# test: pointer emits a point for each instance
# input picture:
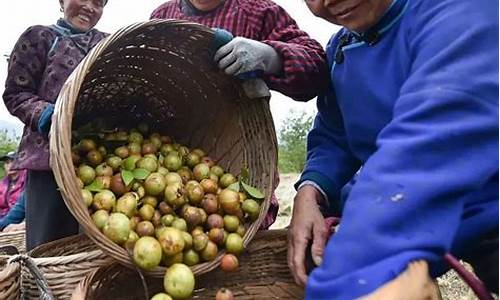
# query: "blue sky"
(118, 13)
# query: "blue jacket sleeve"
(16, 213)
(330, 163)
(445, 120)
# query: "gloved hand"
(45, 120)
(242, 55)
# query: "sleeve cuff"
(326, 187)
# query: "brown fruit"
(208, 161)
(156, 220)
(134, 221)
(164, 208)
(94, 157)
(117, 186)
(210, 204)
(216, 235)
(165, 139)
(192, 216)
(200, 241)
(148, 148)
(215, 221)
(229, 263)
(87, 145)
(185, 174)
(209, 186)
(145, 228)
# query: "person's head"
(355, 15)
(206, 5)
(82, 14)
(8, 159)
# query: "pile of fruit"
(166, 204)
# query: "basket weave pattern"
(263, 274)
(16, 239)
(10, 279)
(161, 72)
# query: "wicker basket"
(10, 279)
(62, 264)
(161, 72)
(263, 274)
(16, 239)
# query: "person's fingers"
(299, 258)
(320, 235)
(224, 51)
(234, 68)
(227, 61)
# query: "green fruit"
(87, 197)
(147, 163)
(87, 145)
(104, 170)
(162, 170)
(252, 208)
(209, 252)
(173, 162)
(135, 137)
(229, 201)
(192, 159)
(117, 228)
(147, 253)
(180, 224)
(169, 260)
(100, 218)
(201, 171)
(166, 149)
(173, 178)
(188, 240)
(179, 281)
(226, 180)
(146, 212)
(217, 170)
(167, 220)
(150, 200)
(155, 184)
(234, 243)
(171, 240)
(161, 296)
(104, 199)
(127, 204)
(86, 174)
(130, 162)
(191, 257)
(231, 223)
(199, 152)
(195, 194)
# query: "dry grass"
(451, 285)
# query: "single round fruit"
(173, 178)
(148, 148)
(192, 216)
(179, 281)
(216, 235)
(100, 218)
(103, 181)
(241, 230)
(171, 240)
(234, 243)
(200, 241)
(150, 200)
(224, 294)
(86, 174)
(135, 137)
(173, 162)
(155, 184)
(147, 253)
(226, 180)
(229, 201)
(127, 204)
(201, 171)
(192, 159)
(180, 224)
(209, 252)
(229, 263)
(87, 197)
(117, 228)
(114, 162)
(104, 199)
(161, 296)
(162, 170)
(231, 223)
(145, 228)
(209, 186)
(169, 260)
(118, 186)
(197, 230)
(165, 208)
(191, 257)
(215, 221)
(156, 220)
(199, 152)
(166, 149)
(252, 208)
(188, 240)
(185, 174)
(217, 170)
(195, 195)
(208, 161)
(87, 145)
(147, 163)
(94, 157)
(210, 204)
(122, 152)
(146, 212)
(167, 220)
(103, 170)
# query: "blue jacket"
(16, 214)
(417, 110)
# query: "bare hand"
(307, 224)
(14, 227)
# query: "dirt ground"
(451, 285)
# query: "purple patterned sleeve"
(26, 67)
(305, 71)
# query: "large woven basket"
(162, 72)
(10, 279)
(263, 274)
(16, 239)
(62, 264)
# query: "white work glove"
(242, 55)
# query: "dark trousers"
(484, 260)
(47, 217)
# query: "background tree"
(292, 139)
(9, 141)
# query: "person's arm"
(16, 214)
(440, 148)
(26, 65)
(330, 164)
(304, 71)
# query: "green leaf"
(252, 192)
(95, 186)
(244, 174)
(140, 173)
(235, 186)
(127, 177)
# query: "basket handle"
(41, 282)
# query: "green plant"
(292, 140)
